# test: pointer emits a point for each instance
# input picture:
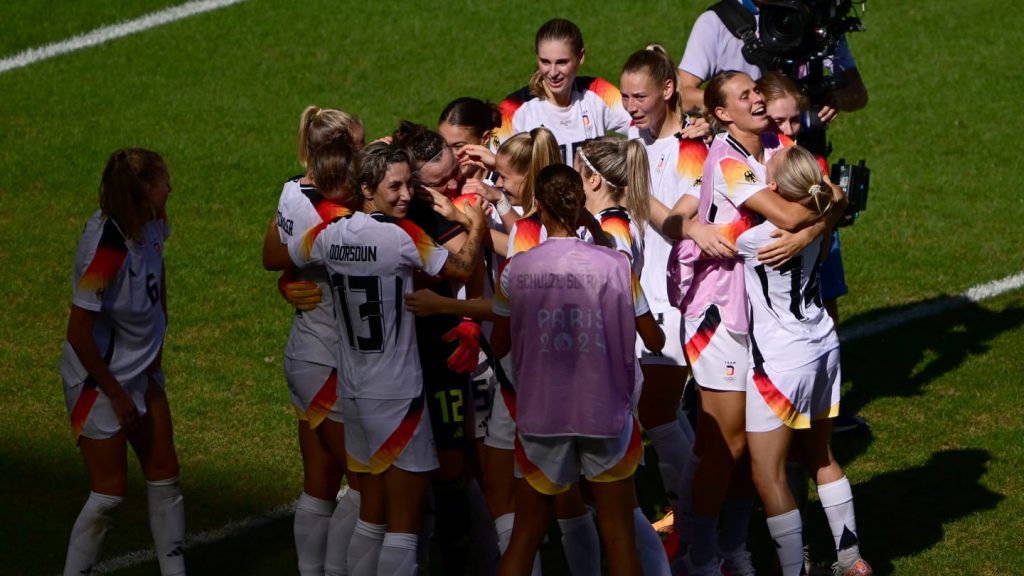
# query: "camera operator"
(712, 48)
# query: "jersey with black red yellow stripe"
(731, 176)
(623, 233)
(676, 167)
(595, 109)
(789, 327)
(370, 262)
(121, 280)
(314, 334)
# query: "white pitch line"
(229, 530)
(108, 33)
(975, 294)
(933, 308)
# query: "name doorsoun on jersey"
(340, 253)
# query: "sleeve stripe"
(425, 245)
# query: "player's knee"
(111, 485)
(160, 468)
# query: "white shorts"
(672, 354)
(551, 464)
(314, 391)
(793, 397)
(384, 433)
(501, 427)
(719, 358)
(90, 410)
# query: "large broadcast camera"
(799, 36)
(796, 38)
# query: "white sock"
(581, 544)
(364, 548)
(88, 532)
(673, 451)
(167, 523)
(787, 532)
(837, 500)
(503, 526)
(735, 521)
(682, 517)
(339, 533)
(312, 517)
(481, 530)
(398, 555)
(704, 545)
(648, 545)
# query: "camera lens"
(783, 26)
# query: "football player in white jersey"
(794, 379)
(113, 383)
(574, 108)
(676, 153)
(370, 261)
(470, 126)
(322, 528)
(716, 328)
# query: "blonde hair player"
(575, 108)
(370, 261)
(322, 528)
(616, 181)
(676, 152)
(111, 360)
(716, 326)
(793, 383)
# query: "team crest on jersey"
(749, 176)
(586, 120)
(730, 371)
(661, 163)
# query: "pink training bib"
(573, 328)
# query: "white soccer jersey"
(595, 108)
(525, 234)
(619, 227)
(314, 333)
(789, 326)
(120, 280)
(370, 261)
(675, 166)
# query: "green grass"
(219, 95)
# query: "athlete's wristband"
(503, 206)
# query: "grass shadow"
(903, 513)
(46, 487)
(901, 360)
